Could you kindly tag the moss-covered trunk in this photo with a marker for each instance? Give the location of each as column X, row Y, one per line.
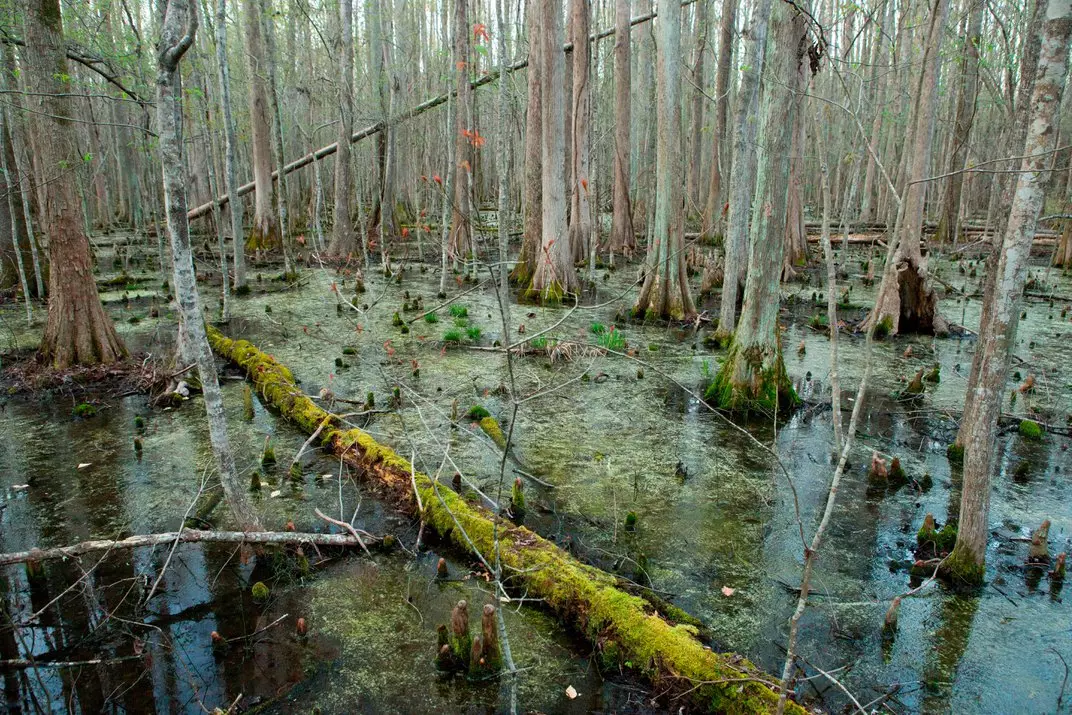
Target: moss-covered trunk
column 624, row 628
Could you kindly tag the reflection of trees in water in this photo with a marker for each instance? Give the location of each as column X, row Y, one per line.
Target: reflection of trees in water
column 948, row 643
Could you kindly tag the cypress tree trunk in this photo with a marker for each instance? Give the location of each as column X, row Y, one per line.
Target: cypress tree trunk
column 78, row 331
column 967, row 561
column 230, row 147
column 460, row 230
column 265, row 230
column 622, row 233
column 720, row 163
column 177, row 35
column 753, row 377
column 665, row 292
column 532, row 197
column 343, row 239
column 743, row 177
column 554, row 275
column 580, row 218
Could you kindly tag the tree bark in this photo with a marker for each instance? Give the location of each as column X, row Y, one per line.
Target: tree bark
column 753, row 377
column 743, row 177
column 967, row 561
column 532, row 198
column 264, row 234
column 460, row 231
column 910, row 304
column 343, row 238
column 713, row 216
column 949, row 221
column 230, row 146
column 177, row 34
column 665, row 292
column 622, row 233
column 554, row 275
column 78, row 331
column 580, row 217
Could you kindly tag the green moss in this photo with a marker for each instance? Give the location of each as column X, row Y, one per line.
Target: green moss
column 935, row 374
column 349, row 350
column 139, row 423
column 259, row 592
column 397, row 320
column 764, row 389
column 295, row 472
column 884, row 327
column 667, row 655
column 962, row 568
column 517, row 500
column 84, row 409
column 268, row 455
column 955, row 453
column 1031, row 430
column 631, row 521
column 492, row 429
column 247, row 403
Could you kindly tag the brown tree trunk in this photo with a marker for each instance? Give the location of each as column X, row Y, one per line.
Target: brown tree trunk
column 949, row 222
column 554, row 275
column 264, row 233
column 796, row 237
column 460, row 231
column 622, row 233
column 532, row 204
column 910, row 304
column 78, row 330
column 580, row 218
column 665, row 292
column 713, row 216
column 343, row 239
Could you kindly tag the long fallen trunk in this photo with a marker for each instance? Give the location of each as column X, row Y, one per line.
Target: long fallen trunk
column 624, row 629
column 185, row 536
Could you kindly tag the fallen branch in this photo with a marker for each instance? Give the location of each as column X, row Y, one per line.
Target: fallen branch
column 185, row 536
column 623, row 627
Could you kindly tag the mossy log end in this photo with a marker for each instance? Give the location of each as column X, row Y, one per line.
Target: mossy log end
column 623, row 627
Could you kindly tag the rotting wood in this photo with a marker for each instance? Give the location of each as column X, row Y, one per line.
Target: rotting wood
column 623, row 628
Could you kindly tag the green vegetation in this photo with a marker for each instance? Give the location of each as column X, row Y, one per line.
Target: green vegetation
column 884, row 327
column 259, row 592
column 458, row 310
column 452, row 336
column 612, row 340
column 1029, row 429
column 84, row 409
column 473, row 332
column 431, row 318
column 598, row 328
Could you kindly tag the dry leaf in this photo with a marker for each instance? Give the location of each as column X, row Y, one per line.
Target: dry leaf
column 727, row 591
column 20, row 487
column 275, row 493
column 83, row 465
column 571, row 692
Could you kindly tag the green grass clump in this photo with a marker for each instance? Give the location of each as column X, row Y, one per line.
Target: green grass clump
column 1029, row 429
column 139, row 423
column 539, row 343
column 461, row 322
column 84, row 409
column 819, row 321
column 431, row 318
column 473, row 332
column 612, row 340
column 452, row 336
column 457, row 310
column 598, row 328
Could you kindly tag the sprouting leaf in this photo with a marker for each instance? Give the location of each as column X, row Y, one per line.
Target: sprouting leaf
column 571, row 692
column 727, row 591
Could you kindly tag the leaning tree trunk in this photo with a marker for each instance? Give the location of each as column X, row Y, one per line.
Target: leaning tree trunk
column 230, row 146
column 461, row 245
column 343, row 238
column 554, row 275
column 265, row 230
column 78, row 330
column 177, row 35
column 580, row 218
column 949, row 221
column 719, row 162
column 665, row 292
column 622, row 233
column 743, row 177
column 910, row 304
column 753, row 377
column 967, row 561
column 532, row 202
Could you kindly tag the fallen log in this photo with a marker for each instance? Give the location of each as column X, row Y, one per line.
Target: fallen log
column 625, row 630
column 186, row 536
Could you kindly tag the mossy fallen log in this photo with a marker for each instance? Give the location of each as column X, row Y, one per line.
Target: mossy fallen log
column 627, row 631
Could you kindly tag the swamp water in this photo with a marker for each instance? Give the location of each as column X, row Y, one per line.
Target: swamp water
column 717, row 532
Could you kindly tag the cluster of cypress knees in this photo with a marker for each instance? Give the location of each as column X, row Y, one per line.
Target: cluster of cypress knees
column 457, row 652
